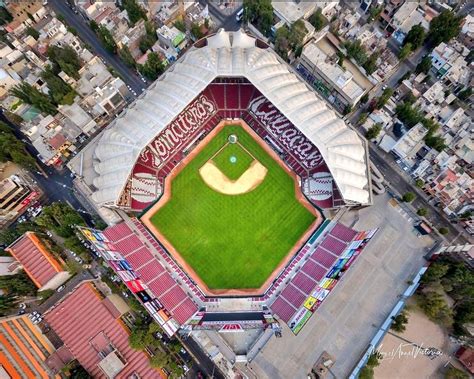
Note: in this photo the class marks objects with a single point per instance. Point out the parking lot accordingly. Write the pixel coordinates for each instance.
(350, 316)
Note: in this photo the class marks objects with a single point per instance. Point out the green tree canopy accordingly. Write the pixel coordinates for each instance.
(399, 322)
(5, 15)
(134, 11)
(58, 89)
(405, 51)
(424, 66)
(106, 39)
(422, 212)
(416, 36)
(443, 28)
(65, 59)
(153, 67)
(126, 56)
(356, 50)
(32, 32)
(318, 20)
(259, 13)
(31, 95)
(373, 131)
(408, 197)
(407, 114)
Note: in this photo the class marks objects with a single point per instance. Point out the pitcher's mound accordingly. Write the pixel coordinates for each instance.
(219, 182)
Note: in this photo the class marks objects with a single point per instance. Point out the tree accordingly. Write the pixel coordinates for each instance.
(435, 272)
(153, 67)
(370, 64)
(455, 373)
(434, 141)
(136, 339)
(159, 360)
(64, 59)
(424, 66)
(259, 13)
(407, 114)
(399, 322)
(435, 307)
(362, 118)
(106, 39)
(5, 15)
(32, 32)
(374, 13)
(443, 28)
(180, 25)
(318, 20)
(408, 197)
(58, 89)
(298, 32)
(383, 99)
(134, 10)
(465, 94)
(419, 183)
(373, 131)
(416, 36)
(443, 231)
(364, 99)
(282, 43)
(146, 42)
(356, 50)
(18, 285)
(422, 212)
(196, 31)
(126, 56)
(31, 95)
(405, 51)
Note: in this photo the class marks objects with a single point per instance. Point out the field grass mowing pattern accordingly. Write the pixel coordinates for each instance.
(233, 242)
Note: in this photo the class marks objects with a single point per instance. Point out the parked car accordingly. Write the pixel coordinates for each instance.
(60, 288)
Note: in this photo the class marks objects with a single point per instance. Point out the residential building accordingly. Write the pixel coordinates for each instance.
(14, 196)
(409, 144)
(465, 355)
(291, 11)
(343, 86)
(90, 327)
(40, 265)
(449, 63)
(25, 352)
(411, 13)
(171, 37)
(9, 266)
(452, 187)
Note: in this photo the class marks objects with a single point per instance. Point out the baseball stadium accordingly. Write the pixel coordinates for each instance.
(216, 183)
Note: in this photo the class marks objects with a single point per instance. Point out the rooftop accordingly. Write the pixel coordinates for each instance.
(92, 332)
(36, 260)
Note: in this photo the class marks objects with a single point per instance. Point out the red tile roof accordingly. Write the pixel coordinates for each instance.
(82, 316)
(466, 357)
(57, 141)
(37, 262)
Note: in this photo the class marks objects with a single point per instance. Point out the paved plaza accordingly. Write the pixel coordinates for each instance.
(348, 319)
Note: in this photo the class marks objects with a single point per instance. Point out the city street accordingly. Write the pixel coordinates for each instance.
(128, 75)
(225, 17)
(57, 186)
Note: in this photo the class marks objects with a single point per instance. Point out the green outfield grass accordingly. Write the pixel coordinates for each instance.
(233, 161)
(233, 242)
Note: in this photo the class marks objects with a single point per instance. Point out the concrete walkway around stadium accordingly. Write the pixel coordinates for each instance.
(349, 317)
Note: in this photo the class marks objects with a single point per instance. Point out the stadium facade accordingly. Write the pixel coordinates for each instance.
(227, 76)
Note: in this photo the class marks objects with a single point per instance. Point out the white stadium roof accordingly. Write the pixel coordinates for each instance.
(227, 54)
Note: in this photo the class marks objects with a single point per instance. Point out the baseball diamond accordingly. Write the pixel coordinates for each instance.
(236, 241)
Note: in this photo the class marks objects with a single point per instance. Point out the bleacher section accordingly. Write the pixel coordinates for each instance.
(326, 261)
(230, 98)
(152, 274)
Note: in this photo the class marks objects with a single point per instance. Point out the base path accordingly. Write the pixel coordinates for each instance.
(219, 182)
